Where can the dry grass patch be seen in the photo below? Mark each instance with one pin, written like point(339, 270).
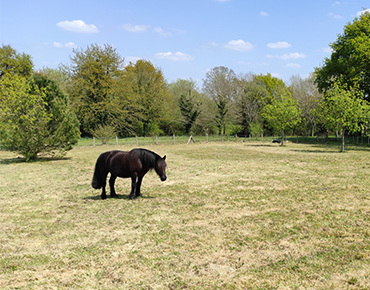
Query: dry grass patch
point(230, 215)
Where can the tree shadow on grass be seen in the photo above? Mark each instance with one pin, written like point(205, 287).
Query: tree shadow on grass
point(15, 160)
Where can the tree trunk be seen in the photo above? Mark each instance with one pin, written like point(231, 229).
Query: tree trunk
point(343, 139)
point(282, 137)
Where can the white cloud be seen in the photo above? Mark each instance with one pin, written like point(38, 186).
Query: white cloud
point(162, 32)
point(336, 3)
point(263, 13)
point(294, 55)
point(239, 45)
point(359, 13)
point(335, 16)
point(280, 44)
point(78, 26)
point(67, 45)
point(327, 50)
point(135, 28)
point(276, 75)
point(177, 56)
point(293, 65)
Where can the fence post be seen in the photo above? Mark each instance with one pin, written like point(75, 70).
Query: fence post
point(93, 141)
point(137, 142)
point(262, 137)
point(174, 140)
point(156, 139)
point(236, 137)
point(116, 141)
point(207, 137)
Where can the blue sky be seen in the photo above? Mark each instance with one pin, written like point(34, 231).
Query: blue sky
point(185, 38)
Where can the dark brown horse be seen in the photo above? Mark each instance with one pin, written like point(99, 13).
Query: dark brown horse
point(135, 164)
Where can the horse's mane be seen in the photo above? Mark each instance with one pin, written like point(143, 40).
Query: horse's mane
point(148, 158)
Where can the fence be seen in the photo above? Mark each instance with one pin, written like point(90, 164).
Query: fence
point(141, 141)
point(169, 140)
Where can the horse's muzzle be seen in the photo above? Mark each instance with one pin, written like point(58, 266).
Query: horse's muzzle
point(163, 178)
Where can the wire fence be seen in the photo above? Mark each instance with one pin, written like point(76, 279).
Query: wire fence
point(157, 140)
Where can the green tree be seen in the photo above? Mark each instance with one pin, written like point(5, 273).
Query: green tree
point(189, 110)
point(35, 120)
point(149, 90)
point(14, 63)
point(350, 57)
point(186, 95)
point(343, 109)
point(93, 75)
point(282, 113)
point(220, 118)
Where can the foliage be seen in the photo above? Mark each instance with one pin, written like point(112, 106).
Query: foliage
point(94, 74)
point(220, 118)
point(282, 113)
point(189, 111)
point(150, 95)
point(247, 106)
point(343, 109)
point(308, 96)
point(350, 58)
point(104, 133)
point(35, 117)
point(14, 63)
point(256, 127)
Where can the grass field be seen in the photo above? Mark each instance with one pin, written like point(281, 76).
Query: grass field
point(230, 216)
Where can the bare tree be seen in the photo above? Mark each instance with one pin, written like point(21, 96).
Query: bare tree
point(308, 96)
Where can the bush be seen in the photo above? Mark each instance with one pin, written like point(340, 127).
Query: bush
point(104, 133)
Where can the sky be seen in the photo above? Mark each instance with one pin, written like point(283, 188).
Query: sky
point(183, 38)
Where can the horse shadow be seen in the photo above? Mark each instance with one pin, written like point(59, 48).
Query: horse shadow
point(119, 196)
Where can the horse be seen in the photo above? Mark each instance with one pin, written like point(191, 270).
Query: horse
point(135, 164)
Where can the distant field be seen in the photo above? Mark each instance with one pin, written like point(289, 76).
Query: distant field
point(231, 215)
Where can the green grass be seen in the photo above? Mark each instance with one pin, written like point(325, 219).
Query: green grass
point(231, 215)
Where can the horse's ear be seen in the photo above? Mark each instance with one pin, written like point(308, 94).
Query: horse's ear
point(164, 157)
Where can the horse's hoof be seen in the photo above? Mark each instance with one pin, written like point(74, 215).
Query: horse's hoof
point(103, 197)
point(132, 197)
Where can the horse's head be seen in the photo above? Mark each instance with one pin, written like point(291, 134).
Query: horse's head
point(160, 168)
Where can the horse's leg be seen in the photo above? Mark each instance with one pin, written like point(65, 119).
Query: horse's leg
point(134, 180)
point(112, 179)
point(104, 183)
point(138, 185)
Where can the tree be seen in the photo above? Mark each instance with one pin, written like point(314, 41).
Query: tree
point(350, 58)
point(94, 74)
point(188, 99)
point(282, 113)
point(189, 110)
point(149, 90)
point(343, 109)
point(308, 96)
point(220, 86)
point(247, 107)
point(35, 119)
point(14, 63)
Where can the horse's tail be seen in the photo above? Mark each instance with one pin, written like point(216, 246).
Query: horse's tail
point(96, 181)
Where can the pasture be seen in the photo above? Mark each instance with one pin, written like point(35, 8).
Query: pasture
point(230, 216)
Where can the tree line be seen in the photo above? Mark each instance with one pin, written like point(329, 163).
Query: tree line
point(96, 94)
